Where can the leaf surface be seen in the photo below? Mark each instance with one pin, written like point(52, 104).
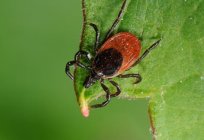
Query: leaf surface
point(173, 73)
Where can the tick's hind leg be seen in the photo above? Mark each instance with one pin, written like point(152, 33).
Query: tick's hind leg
point(97, 36)
point(117, 20)
point(76, 61)
point(147, 51)
point(136, 76)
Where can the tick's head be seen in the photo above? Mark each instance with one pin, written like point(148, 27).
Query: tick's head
point(91, 79)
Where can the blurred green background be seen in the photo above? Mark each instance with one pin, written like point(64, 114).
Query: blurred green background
point(37, 100)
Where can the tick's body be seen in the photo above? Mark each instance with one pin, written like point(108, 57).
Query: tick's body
point(128, 49)
point(116, 55)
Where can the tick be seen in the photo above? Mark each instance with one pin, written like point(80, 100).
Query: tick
point(115, 55)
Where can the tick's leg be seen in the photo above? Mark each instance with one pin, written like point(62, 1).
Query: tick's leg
point(76, 61)
point(77, 57)
point(97, 36)
point(147, 52)
point(67, 69)
point(117, 87)
point(117, 20)
point(136, 76)
point(108, 96)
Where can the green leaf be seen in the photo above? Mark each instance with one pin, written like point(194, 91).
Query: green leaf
point(173, 73)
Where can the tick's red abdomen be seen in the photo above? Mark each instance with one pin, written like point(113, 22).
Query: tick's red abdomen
point(128, 45)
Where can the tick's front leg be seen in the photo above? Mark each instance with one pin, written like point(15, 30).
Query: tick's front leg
point(108, 97)
point(108, 94)
point(78, 56)
point(67, 69)
point(76, 61)
point(136, 76)
point(117, 87)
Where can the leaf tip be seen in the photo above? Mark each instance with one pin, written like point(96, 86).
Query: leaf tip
point(85, 110)
point(83, 104)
